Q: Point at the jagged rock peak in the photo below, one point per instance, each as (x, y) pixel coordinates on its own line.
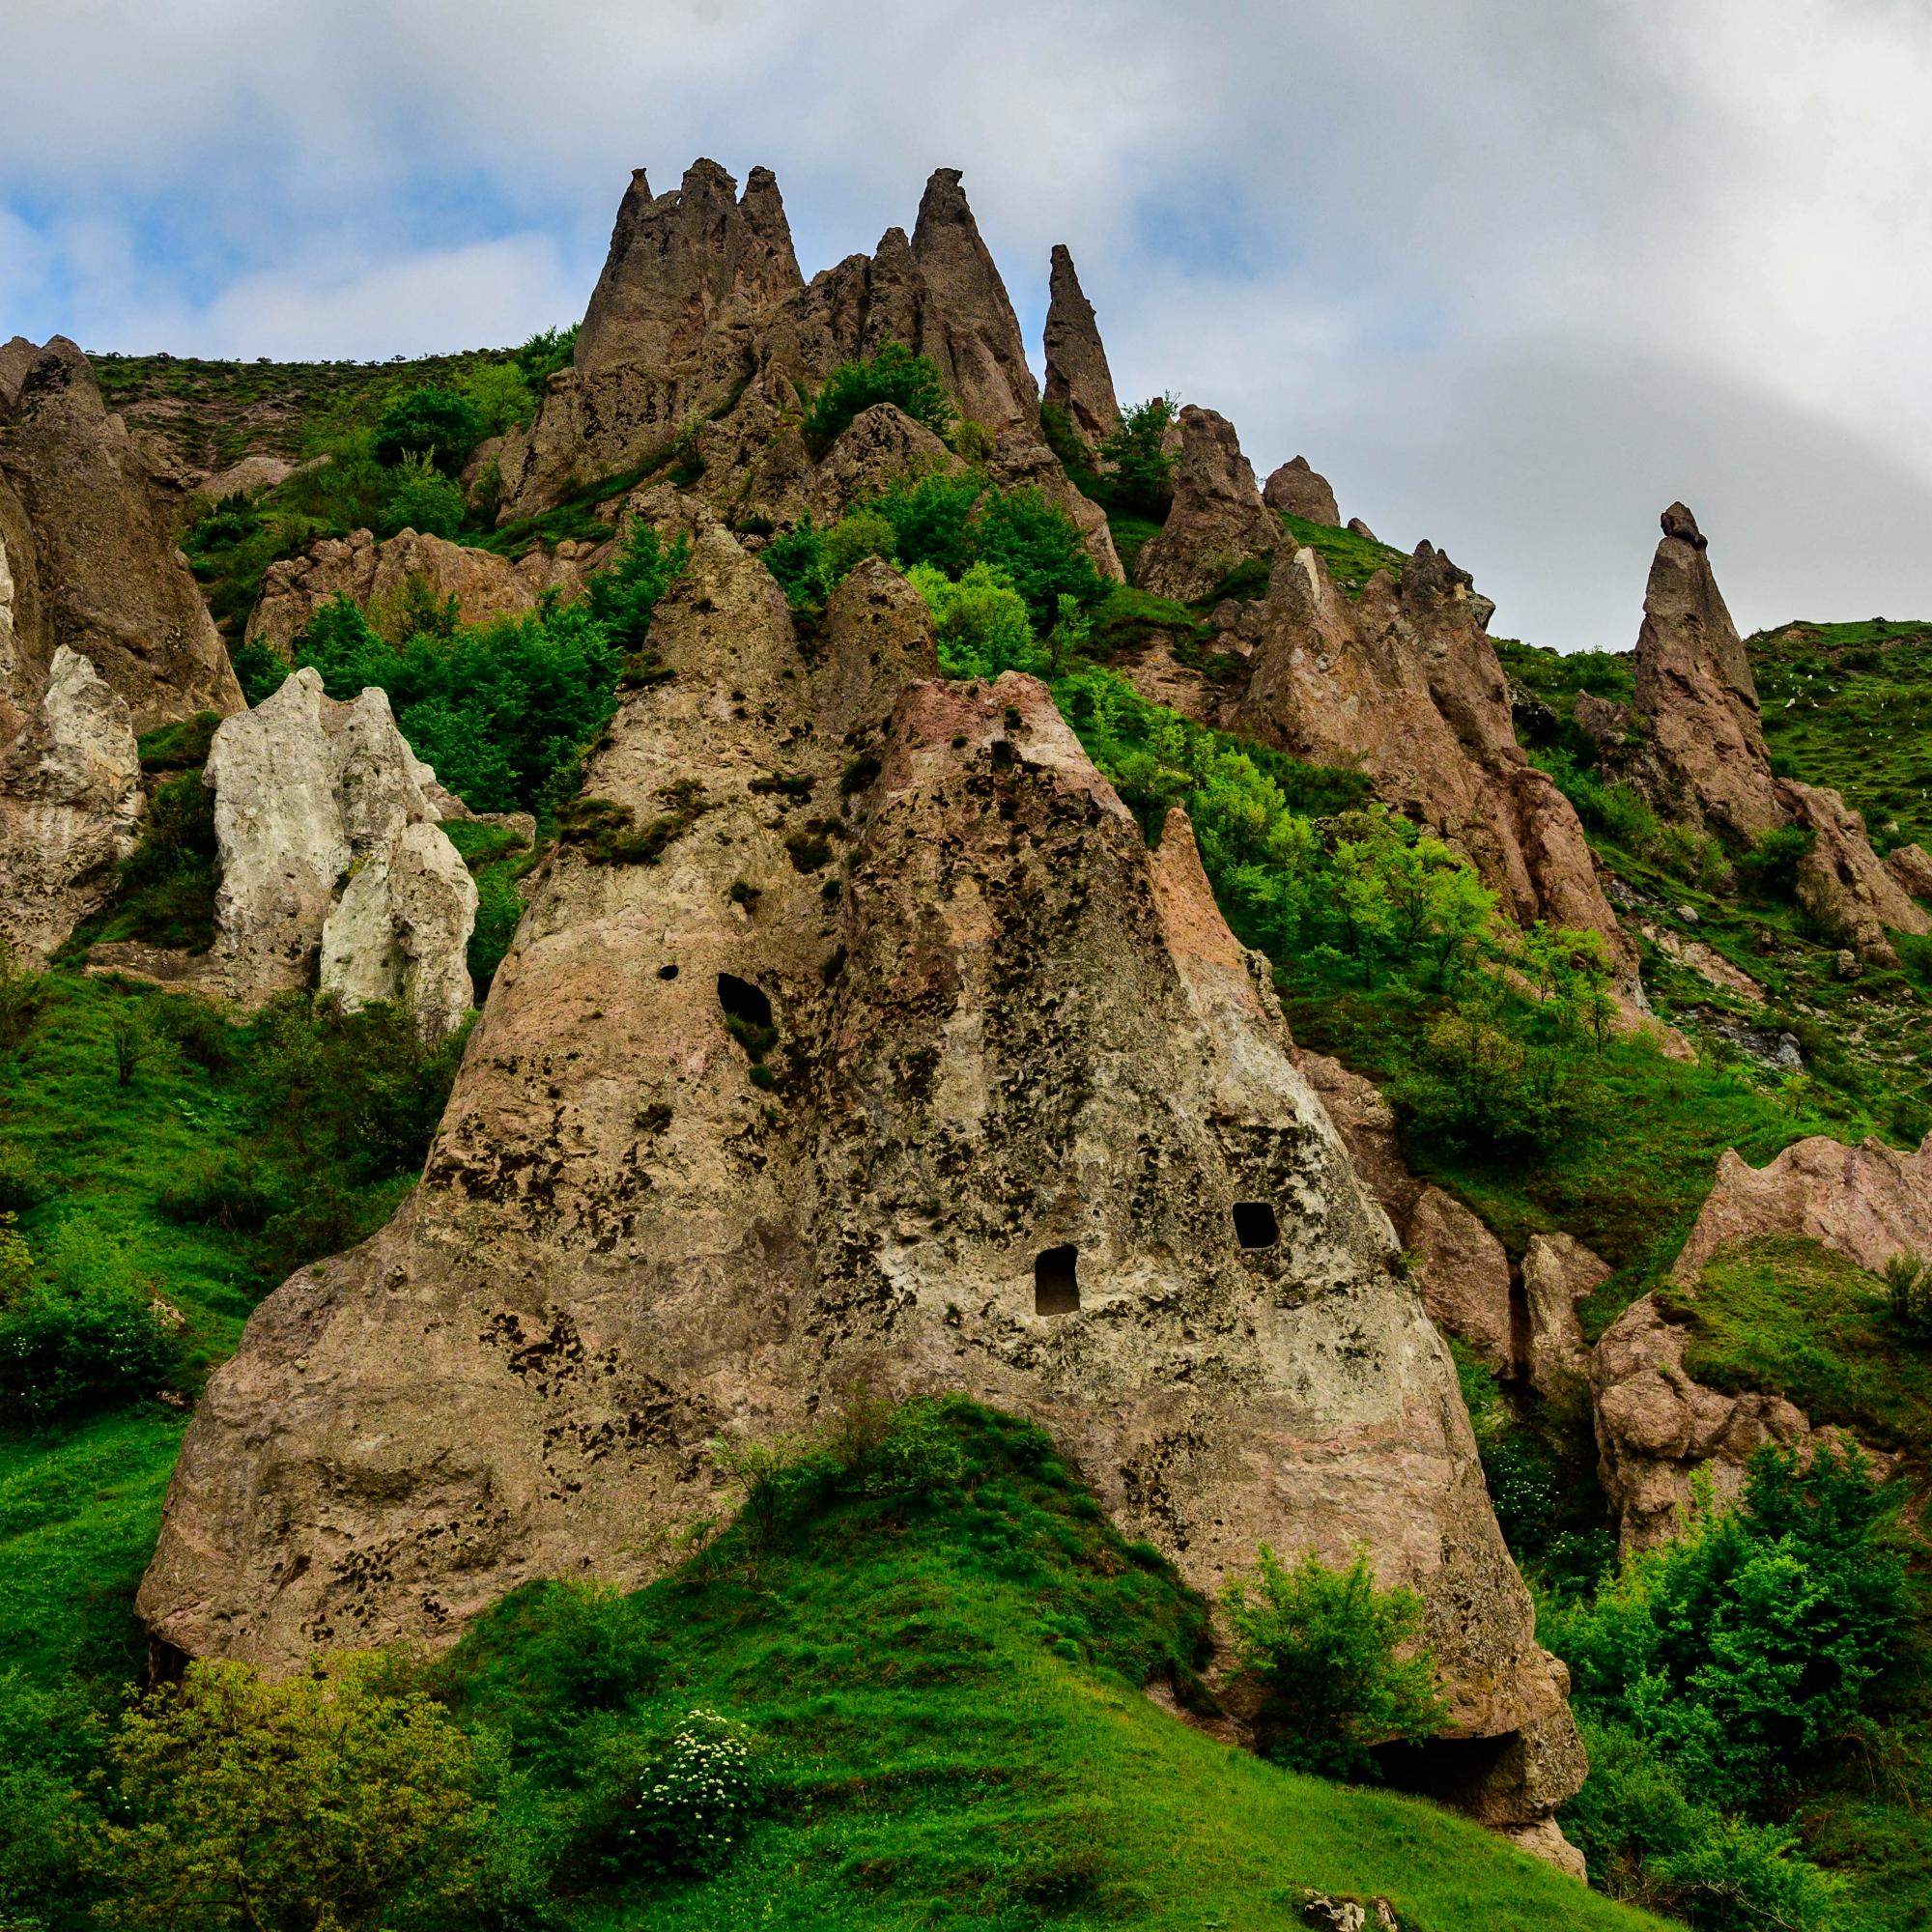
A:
(1678, 521)
(1297, 489)
(985, 352)
(684, 262)
(1694, 682)
(1078, 380)
(1218, 519)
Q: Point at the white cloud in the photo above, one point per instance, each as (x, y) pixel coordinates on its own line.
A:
(1514, 276)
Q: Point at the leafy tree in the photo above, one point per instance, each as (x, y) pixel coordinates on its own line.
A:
(547, 352)
(502, 394)
(442, 424)
(1141, 467)
(894, 375)
(423, 499)
(981, 622)
(326, 1804)
(1329, 1645)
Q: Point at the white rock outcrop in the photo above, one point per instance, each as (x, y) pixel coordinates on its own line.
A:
(335, 871)
(70, 804)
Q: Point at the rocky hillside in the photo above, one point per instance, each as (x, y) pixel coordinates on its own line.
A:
(976, 1054)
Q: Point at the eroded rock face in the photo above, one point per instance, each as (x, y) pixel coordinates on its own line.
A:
(70, 802)
(1557, 1272)
(1656, 1426)
(1911, 869)
(1841, 881)
(1022, 1073)
(1868, 1202)
(879, 447)
(1078, 381)
(370, 573)
(1296, 491)
(1218, 519)
(102, 634)
(1403, 683)
(333, 873)
(683, 265)
(1464, 1276)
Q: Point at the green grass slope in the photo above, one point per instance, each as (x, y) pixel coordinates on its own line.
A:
(948, 1686)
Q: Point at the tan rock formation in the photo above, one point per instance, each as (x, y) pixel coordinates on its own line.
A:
(1694, 685)
(1868, 1202)
(881, 446)
(684, 266)
(333, 873)
(102, 633)
(1296, 491)
(1656, 1426)
(1841, 881)
(1078, 381)
(1022, 1077)
(1218, 519)
(1911, 869)
(70, 802)
(1403, 683)
(1558, 1271)
(1021, 462)
(974, 336)
(358, 567)
(1464, 1274)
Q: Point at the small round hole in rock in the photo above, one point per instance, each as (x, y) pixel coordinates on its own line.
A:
(1254, 1224)
(668, 971)
(1056, 1281)
(743, 1001)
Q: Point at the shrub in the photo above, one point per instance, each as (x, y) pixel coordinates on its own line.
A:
(224, 1190)
(23, 991)
(503, 395)
(23, 1180)
(692, 1800)
(166, 889)
(86, 1339)
(981, 622)
(547, 352)
(1326, 1644)
(1140, 482)
(624, 597)
(337, 1800)
(439, 425)
(1908, 1288)
(424, 501)
(1770, 869)
(895, 375)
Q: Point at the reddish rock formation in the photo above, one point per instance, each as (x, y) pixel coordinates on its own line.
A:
(1464, 1274)
(1022, 1075)
(1867, 1203)
(102, 634)
(372, 573)
(1911, 869)
(1297, 490)
(1403, 683)
(1841, 881)
(1558, 1271)
(1078, 381)
(1218, 519)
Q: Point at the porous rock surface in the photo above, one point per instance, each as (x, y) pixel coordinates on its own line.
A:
(1296, 489)
(1403, 683)
(1078, 380)
(1003, 1027)
(1217, 520)
(369, 573)
(1557, 1272)
(333, 871)
(102, 634)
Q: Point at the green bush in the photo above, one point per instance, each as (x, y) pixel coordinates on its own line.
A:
(894, 375)
(547, 352)
(422, 499)
(1770, 869)
(1327, 1647)
(1139, 467)
(502, 394)
(686, 1808)
(981, 622)
(439, 425)
(23, 1178)
(1908, 1286)
(225, 1190)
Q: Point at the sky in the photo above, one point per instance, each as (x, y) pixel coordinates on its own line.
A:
(1514, 275)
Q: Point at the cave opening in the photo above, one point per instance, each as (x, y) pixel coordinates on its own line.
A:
(1056, 1280)
(1255, 1224)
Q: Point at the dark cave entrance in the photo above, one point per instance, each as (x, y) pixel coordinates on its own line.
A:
(1254, 1224)
(1056, 1281)
(743, 1002)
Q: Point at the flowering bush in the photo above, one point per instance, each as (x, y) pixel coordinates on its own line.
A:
(694, 1798)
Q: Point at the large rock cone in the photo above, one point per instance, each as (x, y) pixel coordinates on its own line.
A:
(1403, 683)
(1078, 381)
(102, 634)
(1018, 1075)
(1217, 519)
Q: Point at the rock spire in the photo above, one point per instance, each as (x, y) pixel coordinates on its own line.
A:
(1078, 381)
(1217, 520)
(1297, 490)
